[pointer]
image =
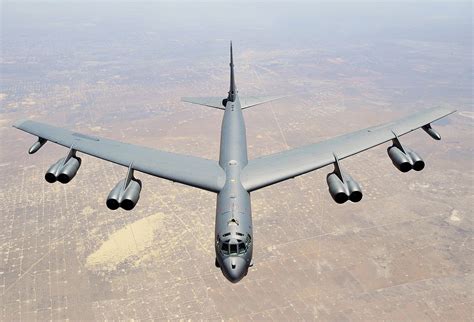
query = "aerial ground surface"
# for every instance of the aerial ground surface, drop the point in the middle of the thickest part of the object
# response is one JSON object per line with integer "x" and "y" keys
{"x": 404, "y": 252}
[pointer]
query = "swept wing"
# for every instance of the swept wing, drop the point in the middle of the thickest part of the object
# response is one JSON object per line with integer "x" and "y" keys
{"x": 192, "y": 171}
{"x": 270, "y": 169}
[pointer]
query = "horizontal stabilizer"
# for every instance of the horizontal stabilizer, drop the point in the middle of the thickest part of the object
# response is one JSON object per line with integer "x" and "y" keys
{"x": 250, "y": 101}
{"x": 215, "y": 102}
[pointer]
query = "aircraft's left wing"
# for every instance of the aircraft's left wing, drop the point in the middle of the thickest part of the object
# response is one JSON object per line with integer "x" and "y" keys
{"x": 188, "y": 170}
{"x": 274, "y": 168}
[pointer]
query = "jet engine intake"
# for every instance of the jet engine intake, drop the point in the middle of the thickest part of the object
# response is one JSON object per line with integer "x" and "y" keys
{"x": 124, "y": 195}
{"x": 63, "y": 171}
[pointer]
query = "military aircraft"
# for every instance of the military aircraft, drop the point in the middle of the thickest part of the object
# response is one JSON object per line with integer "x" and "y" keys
{"x": 233, "y": 177}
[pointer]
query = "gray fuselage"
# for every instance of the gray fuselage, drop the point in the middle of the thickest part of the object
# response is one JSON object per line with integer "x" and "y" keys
{"x": 233, "y": 230}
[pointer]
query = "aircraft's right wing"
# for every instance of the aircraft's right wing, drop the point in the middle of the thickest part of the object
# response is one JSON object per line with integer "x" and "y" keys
{"x": 189, "y": 170}
{"x": 274, "y": 168}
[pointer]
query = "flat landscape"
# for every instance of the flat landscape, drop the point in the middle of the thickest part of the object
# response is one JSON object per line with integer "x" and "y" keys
{"x": 405, "y": 252}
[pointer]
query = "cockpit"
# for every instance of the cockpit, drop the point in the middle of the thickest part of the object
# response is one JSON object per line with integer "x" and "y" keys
{"x": 234, "y": 247}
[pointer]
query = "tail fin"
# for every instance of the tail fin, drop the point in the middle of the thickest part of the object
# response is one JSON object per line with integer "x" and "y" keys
{"x": 232, "y": 88}
{"x": 219, "y": 103}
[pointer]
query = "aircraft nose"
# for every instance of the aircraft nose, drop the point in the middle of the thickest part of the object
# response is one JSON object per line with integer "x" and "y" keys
{"x": 234, "y": 268}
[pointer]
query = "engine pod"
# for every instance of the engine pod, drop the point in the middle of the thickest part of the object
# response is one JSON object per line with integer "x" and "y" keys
{"x": 113, "y": 199}
{"x": 51, "y": 175}
{"x": 355, "y": 192}
{"x": 417, "y": 162}
{"x": 399, "y": 159}
{"x": 131, "y": 195}
{"x": 124, "y": 197}
{"x": 337, "y": 189}
{"x": 69, "y": 170}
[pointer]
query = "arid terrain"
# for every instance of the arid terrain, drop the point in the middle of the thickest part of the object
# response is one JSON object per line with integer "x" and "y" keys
{"x": 405, "y": 252}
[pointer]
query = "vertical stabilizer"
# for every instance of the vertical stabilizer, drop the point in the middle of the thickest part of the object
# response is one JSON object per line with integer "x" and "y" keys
{"x": 233, "y": 88}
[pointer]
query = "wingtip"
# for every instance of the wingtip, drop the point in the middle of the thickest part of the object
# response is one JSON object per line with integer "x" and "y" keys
{"x": 449, "y": 110}
{"x": 446, "y": 110}
{"x": 18, "y": 123}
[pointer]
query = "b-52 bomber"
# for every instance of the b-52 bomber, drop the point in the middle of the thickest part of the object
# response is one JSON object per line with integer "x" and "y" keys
{"x": 233, "y": 177}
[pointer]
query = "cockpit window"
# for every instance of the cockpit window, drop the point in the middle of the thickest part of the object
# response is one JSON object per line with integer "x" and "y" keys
{"x": 233, "y": 249}
{"x": 225, "y": 248}
{"x": 234, "y": 246}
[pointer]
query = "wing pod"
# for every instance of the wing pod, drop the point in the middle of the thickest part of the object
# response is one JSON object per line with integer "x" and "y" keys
{"x": 37, "y": 145}
{"x": 50, "y": 175}
{"x": 399, "y": 159}
{"x": 431, "y": 132}
{"x": 343, "y": 190}
{"x": 131, "y": 195}
{"x": 403, "y": 158}
{"x": 125, "y": 194}
{"x": 417, "y": 162}
{"x": 113, "y": 199}
{"x": 337, "y": 189}
{"x": 355, "y": 192}
{"x": 69, "y": 170}
{"x": 342, "y": 186}
{"x": 65, "y": 169}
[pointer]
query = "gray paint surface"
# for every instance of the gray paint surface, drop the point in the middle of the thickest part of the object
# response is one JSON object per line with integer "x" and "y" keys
{"x": 233, "y": 177}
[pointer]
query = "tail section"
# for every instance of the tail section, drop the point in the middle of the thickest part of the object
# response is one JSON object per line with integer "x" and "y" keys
{"x": 219, "y": 103}
{"x": 232, "y": 88}
{"x": 249, "y": 101}
{"x": 214, "y": 102}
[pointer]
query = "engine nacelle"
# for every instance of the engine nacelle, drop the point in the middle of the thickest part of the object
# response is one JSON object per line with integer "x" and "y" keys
{"x": 338, "y": 190}
{"x": 405, "y": 161}
{"x": 417, "y": 162}
{"x": 123, "y": 196}
{"x": 399, "y": 159}
{"x": 355, "y": 192}
{"x": 63, "y": 172}
{"x": 341, "y": 191}
{"x": 50, "y": 175}
{"x": 131, "y": 195}
{"x": 69, "y": 170}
